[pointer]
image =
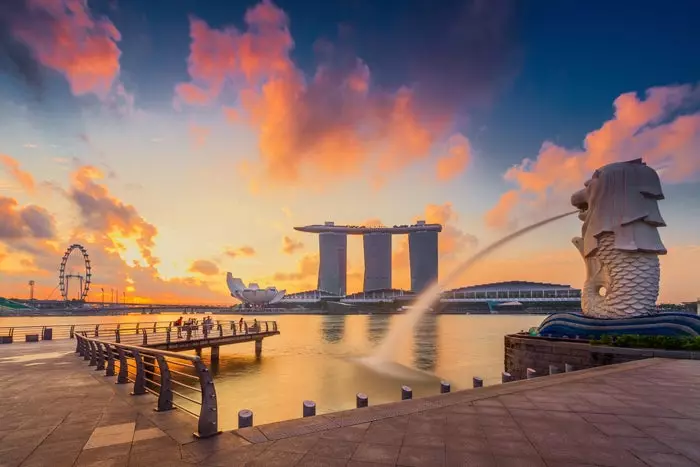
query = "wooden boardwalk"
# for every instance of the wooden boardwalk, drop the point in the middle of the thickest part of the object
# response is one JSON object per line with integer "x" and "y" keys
{"x": 196, "y": 337}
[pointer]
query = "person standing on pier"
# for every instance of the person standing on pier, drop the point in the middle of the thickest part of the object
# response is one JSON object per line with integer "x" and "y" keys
{"x": 178, "y": 326}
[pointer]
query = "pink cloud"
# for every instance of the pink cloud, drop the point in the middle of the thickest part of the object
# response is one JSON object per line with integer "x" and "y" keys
{"x": 25, "y": 179}
{"x": 659, "y": 128}
{"x": 64, "y": 35}
{"x": 334, "y": 122}
{"x": 455, "y": 162}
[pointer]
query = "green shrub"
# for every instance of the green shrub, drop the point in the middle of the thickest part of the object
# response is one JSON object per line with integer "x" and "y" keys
{"x": 649, "y": 342}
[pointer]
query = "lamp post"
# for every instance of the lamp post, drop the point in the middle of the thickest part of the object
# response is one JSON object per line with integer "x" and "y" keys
{"x": 123, "y": 298}
{"x": 111, "y": 296}
{"x": 103, "y": 296}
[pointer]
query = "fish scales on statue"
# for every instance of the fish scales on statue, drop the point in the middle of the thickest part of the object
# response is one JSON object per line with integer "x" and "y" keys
{"x": 620, "y": 242}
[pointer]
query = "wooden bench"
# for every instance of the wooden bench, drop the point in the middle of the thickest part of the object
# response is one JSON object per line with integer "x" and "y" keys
{"x": 31, "y": 338}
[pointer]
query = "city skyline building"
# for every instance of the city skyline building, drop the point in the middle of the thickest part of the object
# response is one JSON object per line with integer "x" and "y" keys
{"x": 423, "y": 256}
{"x": 332, "y": 271}
{"x": 377, "y": 254}
{"x": 333, "y": 262}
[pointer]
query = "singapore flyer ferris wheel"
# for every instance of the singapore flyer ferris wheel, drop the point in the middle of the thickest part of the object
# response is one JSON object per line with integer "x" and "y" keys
{"x": 64, "y": 279}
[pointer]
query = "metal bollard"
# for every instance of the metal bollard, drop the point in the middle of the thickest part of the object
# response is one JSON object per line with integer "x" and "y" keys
{"x": 309, "y": 409}
{"x": 506, "y": 377}
{"x": 361, "y": 400}
{"x": 245, "y": 418}
{"x": 444, "y": 387}
{"x": 553, "y": 370}
{"x": 477, "y": 382}
{"x": 531, "y": 373}
{"x": 568, "y": 368}
{"x": 406, "y": 393}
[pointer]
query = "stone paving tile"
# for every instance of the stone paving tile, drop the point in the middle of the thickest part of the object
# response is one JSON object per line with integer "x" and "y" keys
{"x": 383, "y": 436}
{"x": 345, "y": 434}
{"x": 296, "y": 444}
{"x": 411, "y": 456}
{"x": 111, "y": 434}
{"x": 377, "y": 453}
{"x": 311, "y": 460}
{"x": 333, "y": 448}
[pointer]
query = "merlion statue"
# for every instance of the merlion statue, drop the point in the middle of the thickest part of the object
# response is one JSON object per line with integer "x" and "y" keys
{"x": 620, "y": 242}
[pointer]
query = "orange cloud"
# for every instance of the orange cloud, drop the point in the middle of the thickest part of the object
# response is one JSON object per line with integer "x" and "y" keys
{"x": 65, "y": 36}
{"x": 242, "y": 251}
{"x": 456, "y": 160}
{"x": 25, "y": 179}
{"x": 24, "y": 222}
{"x": 330, "y": 124}
{"x": 499, "y": 216}
{"x": 657, "y": 128}
{"x": 205, "y": 267}
{"x": 307, "y": 268}
{"x": 452, "y": 240}
{"x": 108, "y": 216}
{"x": 289, "y": 245}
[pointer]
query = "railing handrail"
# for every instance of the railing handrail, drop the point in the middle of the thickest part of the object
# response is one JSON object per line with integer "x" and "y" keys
{"x": 147, "y": 350}
{"x": 97, "y": 351}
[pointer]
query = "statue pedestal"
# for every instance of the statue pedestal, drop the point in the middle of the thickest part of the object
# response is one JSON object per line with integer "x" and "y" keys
{"x": 661, "y": 324}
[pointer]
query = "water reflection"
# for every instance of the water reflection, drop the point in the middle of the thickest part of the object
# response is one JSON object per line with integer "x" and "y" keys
{"x": 333, "y": 328}
{"x": 377, "y": 326}
{"x": 425, "y": 337}
{"x": 317, "y": 358}
{"x": 231, "y": 365}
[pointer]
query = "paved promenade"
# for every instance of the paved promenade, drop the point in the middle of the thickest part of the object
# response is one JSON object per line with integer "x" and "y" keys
{"x": 57, "y": 411}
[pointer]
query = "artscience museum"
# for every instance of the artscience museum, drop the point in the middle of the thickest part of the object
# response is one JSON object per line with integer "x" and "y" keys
{"x": 252, "y": 294}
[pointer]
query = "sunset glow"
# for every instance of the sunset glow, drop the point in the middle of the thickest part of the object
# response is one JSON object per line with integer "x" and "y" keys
{"x": 188, "y": 143}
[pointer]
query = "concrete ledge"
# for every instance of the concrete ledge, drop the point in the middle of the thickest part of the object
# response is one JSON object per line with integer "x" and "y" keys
{"x": 523, "y": 351}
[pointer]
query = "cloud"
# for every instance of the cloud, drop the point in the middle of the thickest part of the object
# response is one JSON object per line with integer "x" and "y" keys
{"x": 452, "y": 240}
{"x": 65, "y": 36}
{"x": 500, "y": 215}
{"x": 290, "y": 246}
{"x": 106, "y": 215}
{"x": 333, "y": 122}
{"x": 205, "y": 267}
{"x": 663, "y": 128}
{"x": 240, "y": 252}
{"x": 30, "y": 145}
{"x": 199, "y": 134}
{"x": 25, "y": 179}
{"x": 455, "y": 162}
{"x": 20, "y": 223}
{"x": 307, "y": 269}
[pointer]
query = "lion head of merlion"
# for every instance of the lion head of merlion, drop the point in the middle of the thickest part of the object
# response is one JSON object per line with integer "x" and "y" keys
{"x": 622, "y": 199}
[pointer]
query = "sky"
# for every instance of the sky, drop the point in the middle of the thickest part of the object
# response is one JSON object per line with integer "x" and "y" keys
{"x": 178, "y": 140}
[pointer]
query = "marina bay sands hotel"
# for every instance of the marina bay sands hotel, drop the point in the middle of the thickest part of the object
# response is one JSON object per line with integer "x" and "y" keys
{"x": 333, "y": 246}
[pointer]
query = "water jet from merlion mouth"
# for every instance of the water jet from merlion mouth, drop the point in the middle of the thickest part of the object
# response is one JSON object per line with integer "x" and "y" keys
{"x": 387, "y": 348}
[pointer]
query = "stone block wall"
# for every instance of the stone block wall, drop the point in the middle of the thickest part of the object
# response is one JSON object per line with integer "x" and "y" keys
{"x": 523, "y": 351}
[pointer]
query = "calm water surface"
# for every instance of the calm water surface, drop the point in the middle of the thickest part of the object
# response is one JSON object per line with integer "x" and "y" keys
{"x": 319, "y": 358}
